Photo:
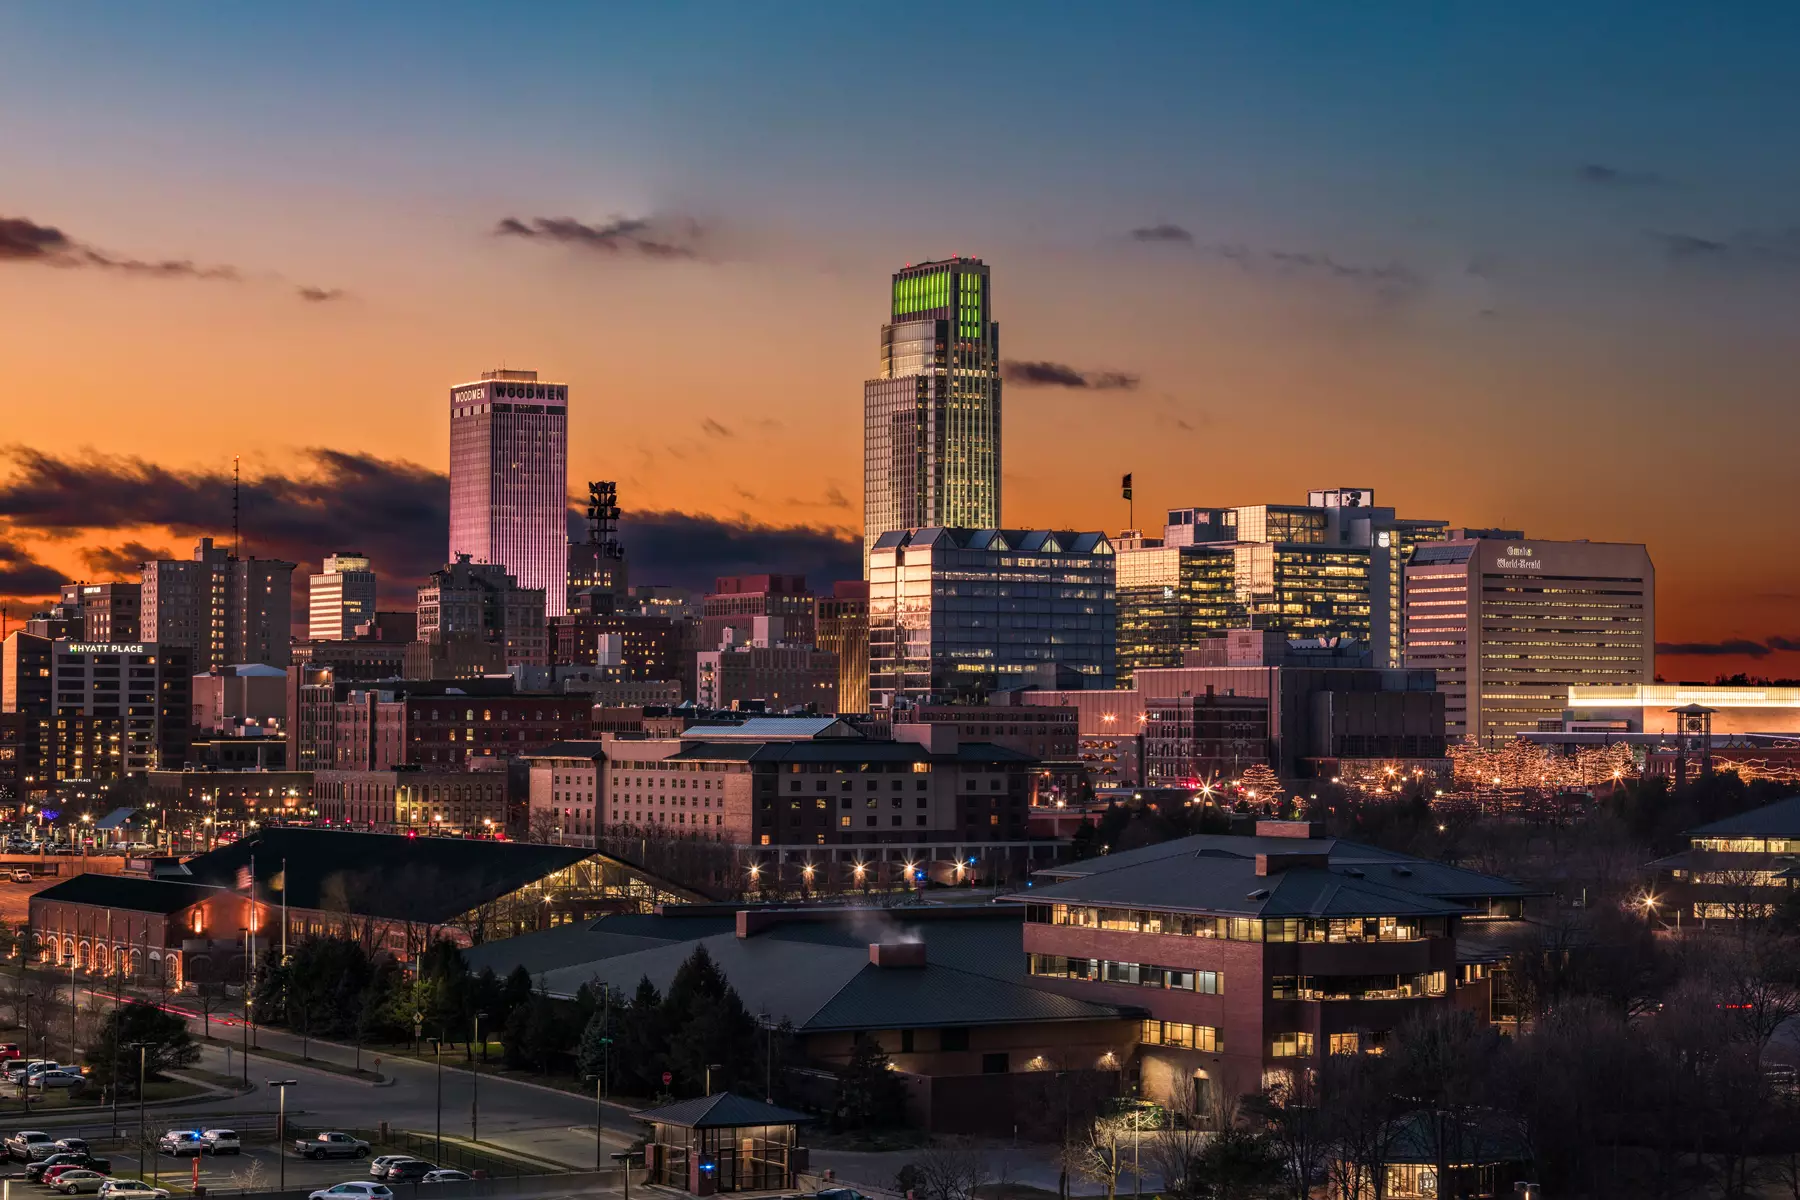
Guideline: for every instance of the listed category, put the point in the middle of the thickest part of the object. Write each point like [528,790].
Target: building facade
[112,612]
[482,602]
[1193,741]
[1170,599]
[959,612]
[509,479]
[843,630]
[931,418]
[781,678]
[144,687]
[341,597]
[222,608]
[1510,624]
[738,600]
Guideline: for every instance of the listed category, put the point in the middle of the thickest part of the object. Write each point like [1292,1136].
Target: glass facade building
[954,613]
[1170,599]
[509,479]
[931,419]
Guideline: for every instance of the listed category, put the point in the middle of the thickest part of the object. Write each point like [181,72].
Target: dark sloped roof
[932,995]
[383,875]
[1188,874]
[553,949]
[1780,819]
[724,1110]
[128,892]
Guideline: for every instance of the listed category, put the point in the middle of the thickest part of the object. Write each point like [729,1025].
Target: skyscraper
[509,468]
[931,419]
[223,608]
[341,596]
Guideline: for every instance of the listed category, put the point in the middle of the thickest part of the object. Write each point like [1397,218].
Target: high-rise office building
[954,613]
[222,608]
[1353,519]
[140,690]
[1511,623]
[342,596]
[1171,598]
[481,603]
[931,419]
[112,612]
[509,479]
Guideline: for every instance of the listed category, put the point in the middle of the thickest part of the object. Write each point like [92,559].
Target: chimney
[1290,829]
[897,954]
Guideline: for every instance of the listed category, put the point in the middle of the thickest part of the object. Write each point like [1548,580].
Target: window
[1345,1043]
[953,1039]
[1292,1045]
[906,1041]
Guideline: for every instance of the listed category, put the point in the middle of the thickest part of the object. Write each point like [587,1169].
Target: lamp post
[281,1149]
[142,1049]
[475,1084]
[437,1044]
[599,1123]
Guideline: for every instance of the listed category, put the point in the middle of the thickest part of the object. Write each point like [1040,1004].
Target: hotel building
[222,608]
[1510,624]
[509,486]
[931,419]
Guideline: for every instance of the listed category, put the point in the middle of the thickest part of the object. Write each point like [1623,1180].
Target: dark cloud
[24,577]
[1161,233]
[395,511]
[23,240]
[1389,281]
[713,428]
[647,237]
[319,295]
[834,498]
[1602,175]
[1735,647]
[1778,249]
[121,560]
[1055,374]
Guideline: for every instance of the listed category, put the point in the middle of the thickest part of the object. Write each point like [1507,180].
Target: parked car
[55,1079]
[39,1066]
[221,1141]
[410,1170]
[76,1180]
[355,1190]
[21,875]
[28,1145]
[9,1051]
[181,1141]
[446,1176]
[18,1067]
[378,1166]
[331,1145]
[71,1158]
[72,1145]
[52,1174]
[131,1189]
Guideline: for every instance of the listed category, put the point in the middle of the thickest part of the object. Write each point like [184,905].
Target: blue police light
[50,814]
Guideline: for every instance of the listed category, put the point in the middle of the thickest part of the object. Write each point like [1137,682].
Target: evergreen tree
[167,1042]
[869,1094]
[642,1042]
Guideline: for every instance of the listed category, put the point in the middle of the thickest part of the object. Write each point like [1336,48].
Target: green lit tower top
[931,419]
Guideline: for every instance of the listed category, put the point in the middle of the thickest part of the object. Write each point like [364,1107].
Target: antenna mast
[234,506]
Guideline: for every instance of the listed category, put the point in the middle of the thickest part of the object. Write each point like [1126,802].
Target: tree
[167,1045]
[643,1042]
[952,1169]
[1289,1110]
[1239,1164]
[1260,784]
[1442,1061]
[869,1093]
[1101,1152]
[211,997]
[596,1052]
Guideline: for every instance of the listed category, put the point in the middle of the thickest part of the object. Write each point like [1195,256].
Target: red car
[50,1173]
[9,1050]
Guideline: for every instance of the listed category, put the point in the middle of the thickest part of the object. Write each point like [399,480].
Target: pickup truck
[331,1145]
[29,1145]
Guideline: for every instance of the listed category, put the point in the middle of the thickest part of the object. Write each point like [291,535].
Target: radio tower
[234,506]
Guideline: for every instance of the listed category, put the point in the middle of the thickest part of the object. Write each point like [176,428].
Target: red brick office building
[1254,956]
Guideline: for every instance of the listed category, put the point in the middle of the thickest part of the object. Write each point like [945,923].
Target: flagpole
[284,920]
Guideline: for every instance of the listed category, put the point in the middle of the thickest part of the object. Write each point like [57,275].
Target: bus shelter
[724,1143]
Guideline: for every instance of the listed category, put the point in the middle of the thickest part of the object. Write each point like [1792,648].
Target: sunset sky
[1532,265]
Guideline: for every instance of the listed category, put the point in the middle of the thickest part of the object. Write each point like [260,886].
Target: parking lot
[258,1166]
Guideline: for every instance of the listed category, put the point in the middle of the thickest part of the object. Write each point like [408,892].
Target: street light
[142,1049]
[475,1084]
[281,1150]
[438,1046]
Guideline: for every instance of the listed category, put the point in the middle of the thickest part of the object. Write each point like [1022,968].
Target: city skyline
[1577,331]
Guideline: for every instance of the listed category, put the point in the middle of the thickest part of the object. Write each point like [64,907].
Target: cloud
[1766,249]
[395,511]
[1601,175]
[1388,281]
[1055,374]
[646,237]
[1161,233]
[1735,647]
[714,429]
[24,577]
[121,560]
[319,295]
[834,498]
[24,240]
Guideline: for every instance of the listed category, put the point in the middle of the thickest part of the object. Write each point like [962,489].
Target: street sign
[668,1078]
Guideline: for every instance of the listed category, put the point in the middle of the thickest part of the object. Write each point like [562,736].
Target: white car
[221,1141]
[181,1141]
[131,1189]
[355,1190]
[379,1165]
[55,1079]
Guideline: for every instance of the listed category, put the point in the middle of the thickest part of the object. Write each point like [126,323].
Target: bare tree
[1175,1148]
[1103,1151]
[952,1169]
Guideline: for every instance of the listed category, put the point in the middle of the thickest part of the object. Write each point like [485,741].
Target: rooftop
[1036,541]
[1780,819]
[128,892]
[722,1110]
